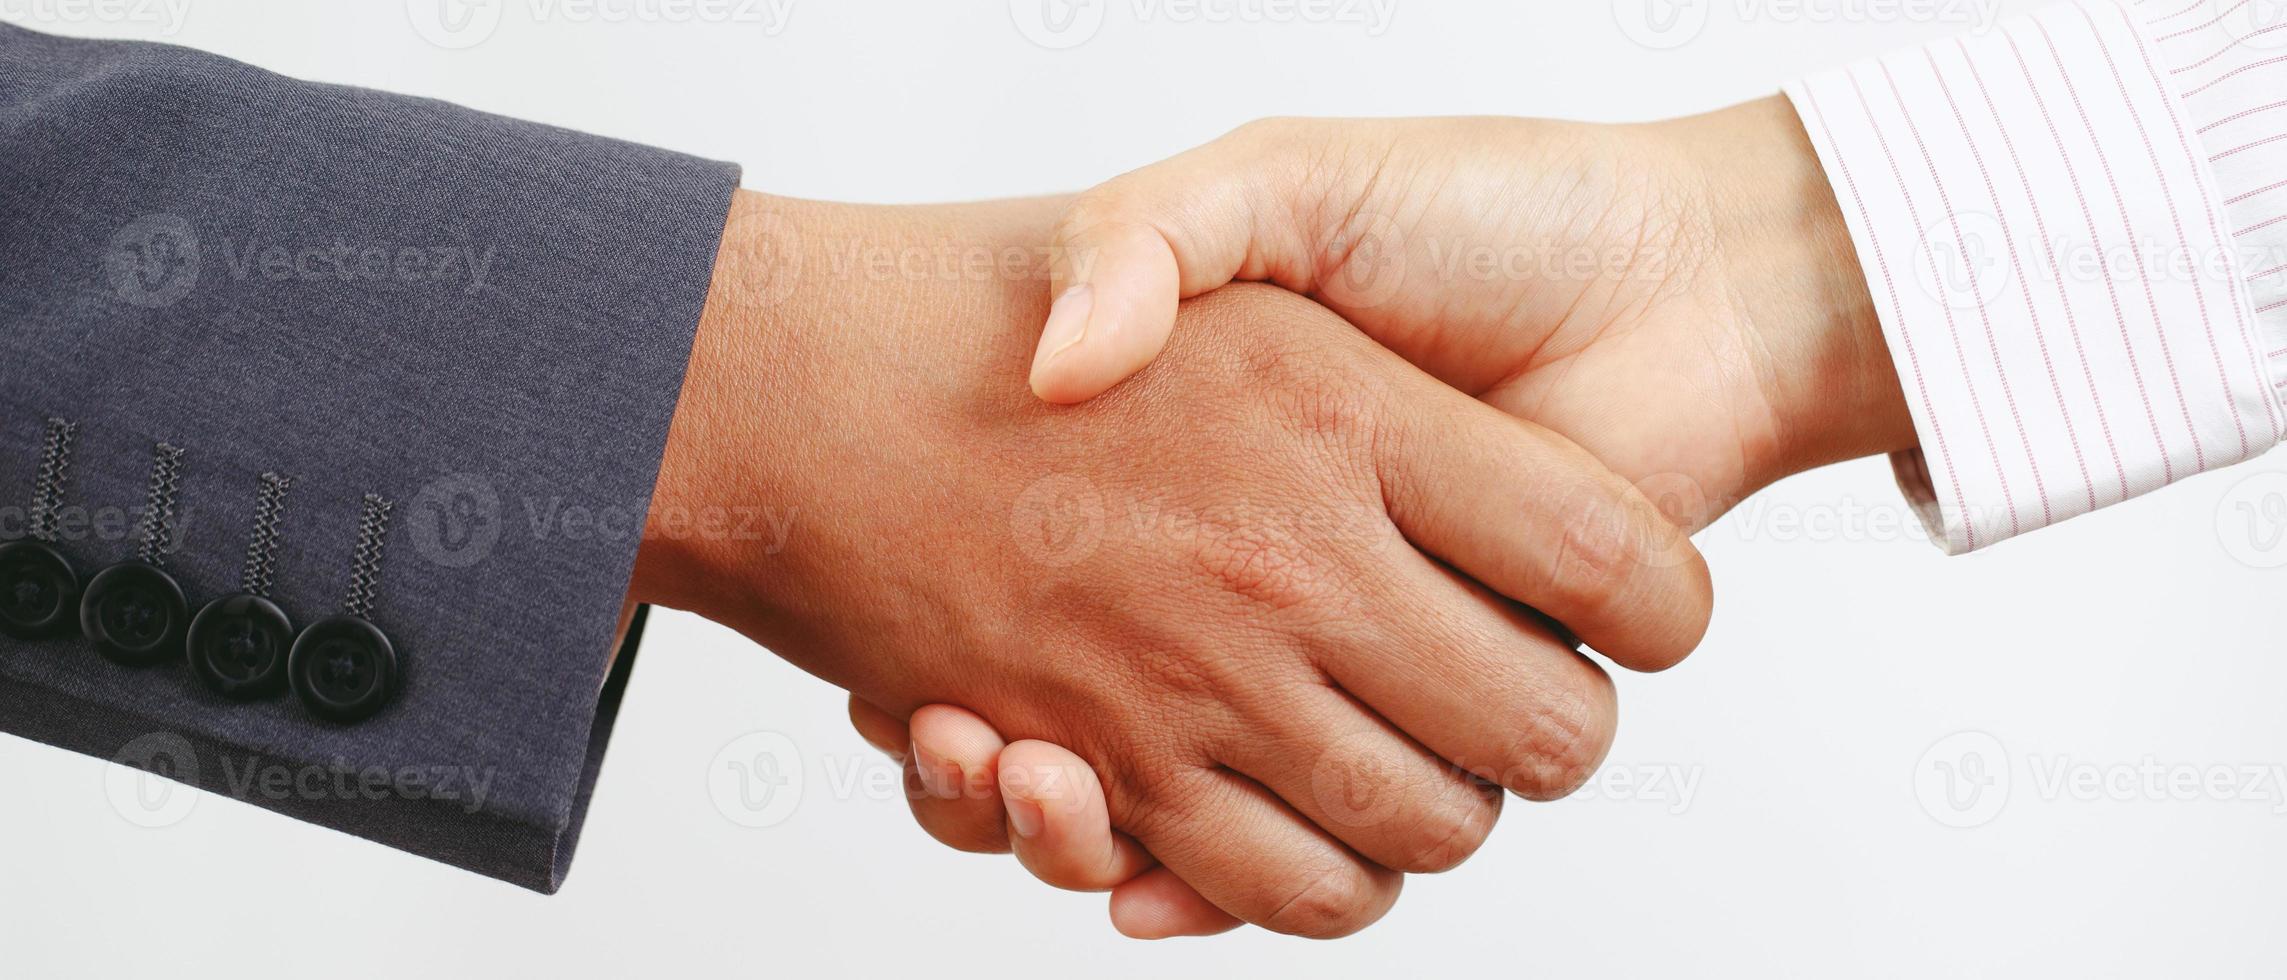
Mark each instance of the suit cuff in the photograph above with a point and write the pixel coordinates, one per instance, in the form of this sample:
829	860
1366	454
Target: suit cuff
253	271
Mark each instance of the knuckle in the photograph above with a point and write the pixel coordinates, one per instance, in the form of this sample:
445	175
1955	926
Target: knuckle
1561	743
1328	904
1264	564
1319	391
1451	835
1598	554
1154	803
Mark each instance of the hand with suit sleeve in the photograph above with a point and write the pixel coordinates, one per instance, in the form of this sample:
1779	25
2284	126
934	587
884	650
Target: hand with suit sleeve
1287	573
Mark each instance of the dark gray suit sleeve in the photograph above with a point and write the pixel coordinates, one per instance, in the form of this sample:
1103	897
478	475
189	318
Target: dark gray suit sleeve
481	321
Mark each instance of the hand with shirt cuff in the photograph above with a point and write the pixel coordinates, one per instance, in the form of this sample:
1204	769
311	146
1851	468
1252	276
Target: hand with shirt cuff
1928	254
1679	298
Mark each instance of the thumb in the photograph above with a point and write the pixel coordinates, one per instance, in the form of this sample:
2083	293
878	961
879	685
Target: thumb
1126	251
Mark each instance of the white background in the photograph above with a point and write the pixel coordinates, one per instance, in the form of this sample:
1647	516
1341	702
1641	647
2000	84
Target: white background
1817	728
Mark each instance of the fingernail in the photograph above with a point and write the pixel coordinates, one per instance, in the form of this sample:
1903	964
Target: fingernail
1026	817
941	778
1067	321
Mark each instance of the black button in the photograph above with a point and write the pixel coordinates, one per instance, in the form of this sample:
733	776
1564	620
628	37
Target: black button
134	614
38	590
238	646
343	668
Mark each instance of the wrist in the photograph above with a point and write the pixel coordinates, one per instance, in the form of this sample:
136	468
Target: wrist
1794	274
696	508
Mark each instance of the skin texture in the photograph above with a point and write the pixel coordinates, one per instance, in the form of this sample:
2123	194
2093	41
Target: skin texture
1681	298
1271	594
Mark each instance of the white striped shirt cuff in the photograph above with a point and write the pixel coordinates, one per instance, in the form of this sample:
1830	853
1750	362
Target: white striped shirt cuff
2059	221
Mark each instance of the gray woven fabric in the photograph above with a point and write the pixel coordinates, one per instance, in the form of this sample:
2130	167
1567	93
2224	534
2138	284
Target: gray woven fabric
481	320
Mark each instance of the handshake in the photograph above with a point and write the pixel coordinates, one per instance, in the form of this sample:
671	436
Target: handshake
1252	634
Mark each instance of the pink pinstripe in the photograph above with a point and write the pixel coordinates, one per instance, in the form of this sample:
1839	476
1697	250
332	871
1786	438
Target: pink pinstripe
2237	116
2203	62
2234	151
2260	225
2175	216
2265	189
1890	285
2243	69
2234	8
2151	301
2040	227
2195	6
2088	217
1976	405
1992	345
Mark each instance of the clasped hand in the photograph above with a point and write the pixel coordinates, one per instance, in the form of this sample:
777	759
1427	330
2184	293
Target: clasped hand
1276	620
